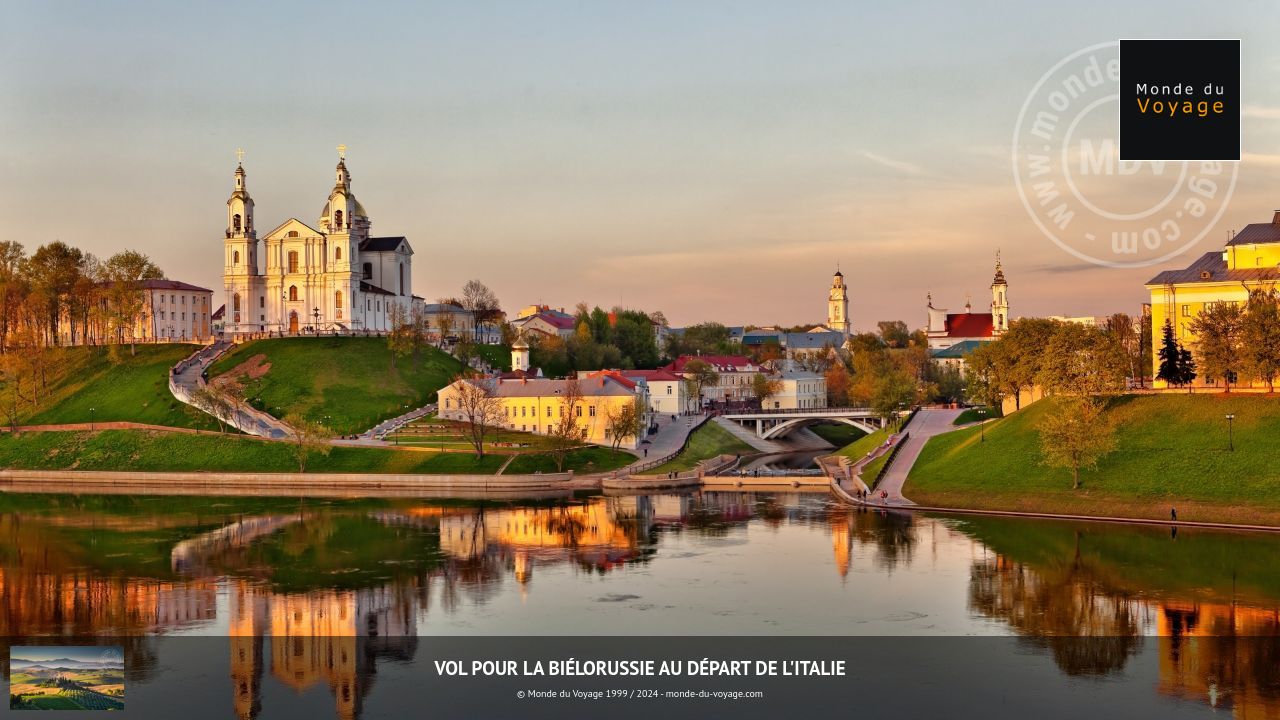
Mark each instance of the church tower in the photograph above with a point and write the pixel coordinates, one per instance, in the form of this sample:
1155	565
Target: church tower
838	306
999	301
240	248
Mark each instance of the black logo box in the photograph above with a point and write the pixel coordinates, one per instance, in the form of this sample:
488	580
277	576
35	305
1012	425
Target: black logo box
1187	68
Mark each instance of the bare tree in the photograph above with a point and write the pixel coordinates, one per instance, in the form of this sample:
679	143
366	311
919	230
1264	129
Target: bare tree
214	403
481	302
566	433
479	408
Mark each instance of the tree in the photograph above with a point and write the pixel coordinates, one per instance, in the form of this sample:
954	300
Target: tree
894	391
214	403
627	420
479	407
837	385
1075	435
565	433
1260	336
126	297
698	375
1081	360
1186	367
1218	347
309	438
894	333
1170	356
481	302
1120	327
13	287
981	383
764	387
54	270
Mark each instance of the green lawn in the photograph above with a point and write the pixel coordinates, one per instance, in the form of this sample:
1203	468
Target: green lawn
972	415
873	467
498	356
53	702
347	384
706	442
89	386
585	460
158	452
838	434
1171	451
864	445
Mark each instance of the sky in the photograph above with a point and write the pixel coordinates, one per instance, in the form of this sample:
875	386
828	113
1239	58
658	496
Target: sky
712	160
82	653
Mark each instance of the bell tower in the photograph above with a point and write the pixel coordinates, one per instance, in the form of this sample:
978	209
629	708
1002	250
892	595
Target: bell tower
241	242
999	301
838	305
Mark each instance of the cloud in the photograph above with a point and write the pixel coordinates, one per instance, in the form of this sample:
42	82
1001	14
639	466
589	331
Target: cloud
1259	111
900	165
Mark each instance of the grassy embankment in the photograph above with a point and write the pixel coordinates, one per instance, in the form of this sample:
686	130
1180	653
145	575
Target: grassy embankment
146	451
838	434
706	442
88	385
974	414
346	384
1171	451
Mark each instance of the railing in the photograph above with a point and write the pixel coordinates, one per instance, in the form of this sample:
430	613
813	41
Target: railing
649	464
893	453
801	411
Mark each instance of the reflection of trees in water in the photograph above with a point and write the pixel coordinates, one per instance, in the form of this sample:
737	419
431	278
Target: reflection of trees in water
1089	631
894	535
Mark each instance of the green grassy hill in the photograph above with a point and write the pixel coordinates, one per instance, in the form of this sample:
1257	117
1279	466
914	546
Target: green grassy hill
347	384
1171	451
132	388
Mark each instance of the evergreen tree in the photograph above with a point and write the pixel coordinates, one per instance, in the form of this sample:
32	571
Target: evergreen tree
1186	371
1170	357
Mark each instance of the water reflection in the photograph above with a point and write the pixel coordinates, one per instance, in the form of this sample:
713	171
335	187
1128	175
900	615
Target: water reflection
318	594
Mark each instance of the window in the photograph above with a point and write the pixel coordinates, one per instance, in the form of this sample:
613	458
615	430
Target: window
337	253
367	271
235	222
591	411
293	261
401	278
579	410
337	219
337	299
548	411
293	293
262	301
235	258
235	302
1186	311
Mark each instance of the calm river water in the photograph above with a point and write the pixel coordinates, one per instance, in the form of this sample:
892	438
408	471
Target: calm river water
708	564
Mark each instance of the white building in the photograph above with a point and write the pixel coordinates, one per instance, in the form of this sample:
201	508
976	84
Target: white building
333	277
800	389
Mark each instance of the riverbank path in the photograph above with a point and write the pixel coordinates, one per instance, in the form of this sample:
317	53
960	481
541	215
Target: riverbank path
926	423
669	438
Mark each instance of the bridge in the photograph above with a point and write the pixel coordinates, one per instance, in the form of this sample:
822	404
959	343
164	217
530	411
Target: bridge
772	424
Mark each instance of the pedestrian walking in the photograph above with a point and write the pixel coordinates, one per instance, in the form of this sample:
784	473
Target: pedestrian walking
1173	514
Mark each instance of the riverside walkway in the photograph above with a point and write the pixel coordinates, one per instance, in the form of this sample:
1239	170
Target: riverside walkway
926	423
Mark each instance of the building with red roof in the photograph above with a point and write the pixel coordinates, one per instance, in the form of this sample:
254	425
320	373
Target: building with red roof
734	377
947	329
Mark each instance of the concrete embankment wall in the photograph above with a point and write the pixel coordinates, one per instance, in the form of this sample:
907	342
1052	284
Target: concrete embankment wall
293	484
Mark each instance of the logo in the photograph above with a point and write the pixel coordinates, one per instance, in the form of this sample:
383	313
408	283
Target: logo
1083	196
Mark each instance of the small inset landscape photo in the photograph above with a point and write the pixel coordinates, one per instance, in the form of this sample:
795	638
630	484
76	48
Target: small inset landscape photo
53	677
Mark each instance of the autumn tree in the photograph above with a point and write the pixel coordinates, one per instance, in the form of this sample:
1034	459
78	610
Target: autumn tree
837	377
1076	435
124	274
481	302
764	387
1081	360
308	438
1219	347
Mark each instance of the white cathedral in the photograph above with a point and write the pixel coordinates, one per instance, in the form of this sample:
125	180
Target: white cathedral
336	278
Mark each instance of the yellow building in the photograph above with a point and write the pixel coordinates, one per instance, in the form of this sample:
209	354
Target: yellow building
1248	261
537	404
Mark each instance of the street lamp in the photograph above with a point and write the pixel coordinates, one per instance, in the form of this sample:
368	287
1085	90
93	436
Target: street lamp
982	426
315	326
1231	445
91	419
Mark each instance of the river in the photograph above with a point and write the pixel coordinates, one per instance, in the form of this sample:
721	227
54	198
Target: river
701	564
